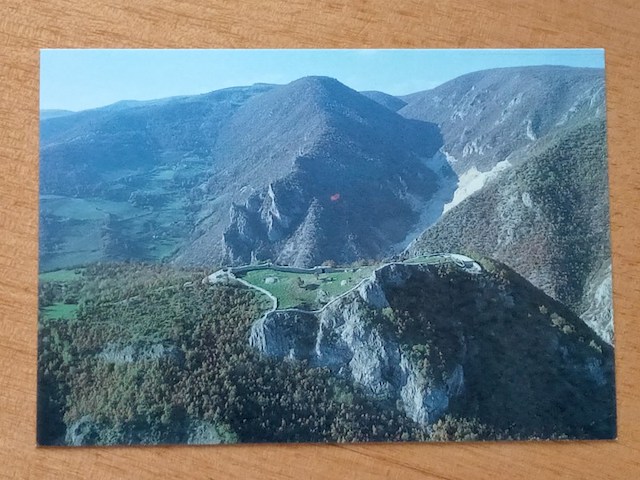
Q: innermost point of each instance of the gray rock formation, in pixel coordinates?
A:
(83, 431)
(285, 334)
(346, 337)
(599, 302)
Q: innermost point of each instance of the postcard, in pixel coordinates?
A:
(243, 246)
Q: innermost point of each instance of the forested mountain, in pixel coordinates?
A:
(548, 218)
(314, 171)
(450, 356)
(437, 340)
(301, 173)
(118, 182)
(181, 369)
(94, 152)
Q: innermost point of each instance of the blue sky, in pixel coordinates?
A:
(81, 79)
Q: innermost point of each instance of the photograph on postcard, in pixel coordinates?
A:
(242, 246)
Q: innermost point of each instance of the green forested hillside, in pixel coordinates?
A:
(156, 356)
(152, 355)
(548, 218)
(523, 354)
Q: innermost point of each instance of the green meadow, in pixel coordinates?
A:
(60, 311)
(307, 290)
(63, 275)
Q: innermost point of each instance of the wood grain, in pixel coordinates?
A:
(26, 26)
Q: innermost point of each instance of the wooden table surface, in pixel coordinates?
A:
(27, 25)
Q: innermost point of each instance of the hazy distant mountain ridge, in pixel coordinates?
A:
(386, 100)
(79, 150)
(487, 116)
(53, 113)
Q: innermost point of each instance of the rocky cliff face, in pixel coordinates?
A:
(405, 336)
(346, 337)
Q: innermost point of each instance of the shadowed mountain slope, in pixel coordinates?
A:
(80, 150)
(435, 340)
(301, 173)
(313, 171)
